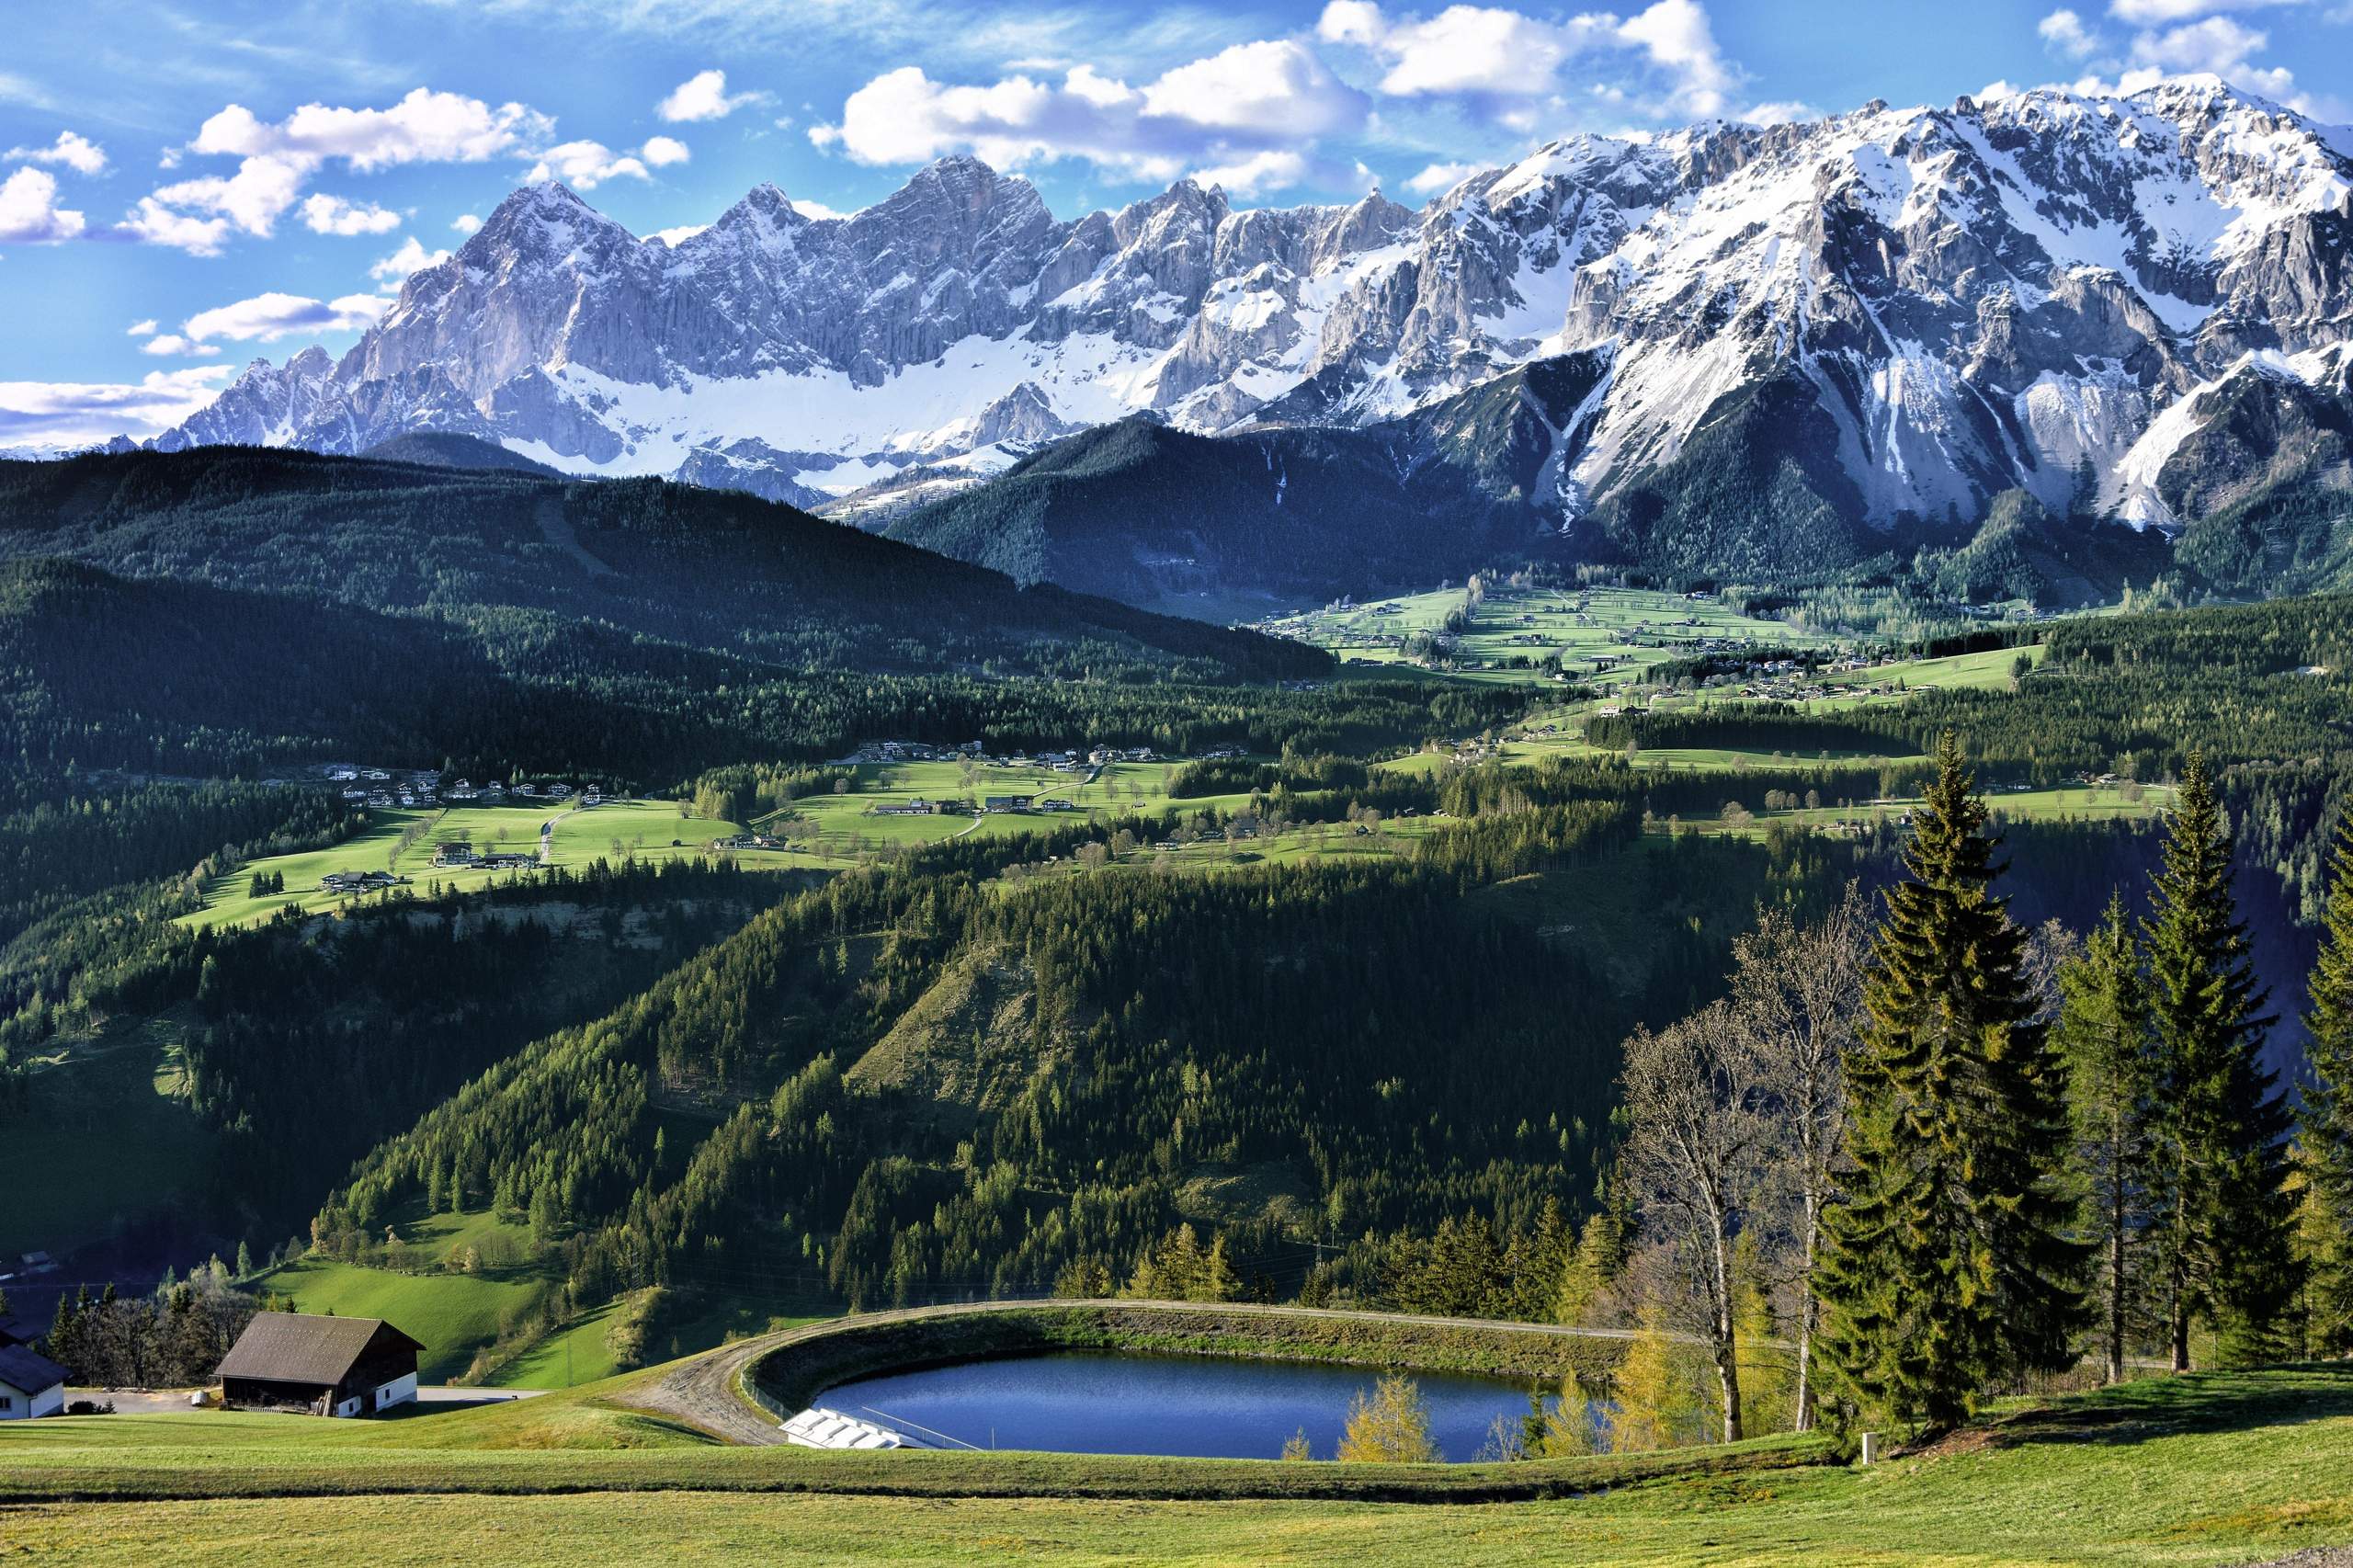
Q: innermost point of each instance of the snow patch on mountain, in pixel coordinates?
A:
(1981, 296)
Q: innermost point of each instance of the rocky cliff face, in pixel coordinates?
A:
(2047, 291)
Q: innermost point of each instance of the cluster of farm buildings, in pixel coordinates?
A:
(1076, 760)
(385, 788)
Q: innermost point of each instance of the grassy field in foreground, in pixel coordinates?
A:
(2206, 1470)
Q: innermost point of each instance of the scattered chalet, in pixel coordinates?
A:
(324, 1366)
(31, 1383)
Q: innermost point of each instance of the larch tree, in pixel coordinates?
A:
(1949, 1262)
(2227, 1236)
(2328, 1109)
(2104, 1033)
(1693, 1129)
(1653, 1401)
(1797, 991)
(1391, 1426)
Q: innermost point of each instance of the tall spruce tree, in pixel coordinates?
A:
(2104, 1034)
(2328, 1108)
(2227, 1236)
(1948, 1261)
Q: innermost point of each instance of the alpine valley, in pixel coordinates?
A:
(1762, 351)
(1650, 866)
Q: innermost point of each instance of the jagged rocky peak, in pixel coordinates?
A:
(765, 217)
(545, 218)
(956, 207)
(1958, 299)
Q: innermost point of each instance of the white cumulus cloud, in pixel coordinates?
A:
(1259, 173)
(466, 222)
(65, 412)
(277, 158)
(1667, 54)
(76, 153)
(663, 151)
(1435, 177)
(267, 317)
(1269, 88)
(29, 214)
(703, 96)
(333, 215)
(140, 328)
(1225, 110)
(391, 272)
(2064, 32)
(172, 342)
(153, 223)
(424, 127)
(586, 164)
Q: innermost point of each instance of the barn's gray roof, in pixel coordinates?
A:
(297, 1347)
(22, 1366)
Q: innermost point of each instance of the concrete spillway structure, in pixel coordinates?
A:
(818, 1428)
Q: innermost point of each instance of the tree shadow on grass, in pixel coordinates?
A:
(2173, 1405)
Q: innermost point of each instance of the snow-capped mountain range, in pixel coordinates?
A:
(2031, 292)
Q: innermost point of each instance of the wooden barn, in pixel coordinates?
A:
(324, 1366)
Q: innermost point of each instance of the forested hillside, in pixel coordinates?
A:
(1152, 514)
(939, 1087)
(712, 570)
(2263, 689)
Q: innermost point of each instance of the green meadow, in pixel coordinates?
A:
(115, 1129)
(1638, 627)
(2206, 1469)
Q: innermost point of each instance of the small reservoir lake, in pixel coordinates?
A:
(1200, 1406)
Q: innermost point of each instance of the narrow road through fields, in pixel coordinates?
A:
(547, 832)
(701, 1392)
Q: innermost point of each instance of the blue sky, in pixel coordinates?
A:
(186, 185)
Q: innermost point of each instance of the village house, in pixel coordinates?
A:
(322, 1365)
(31, 1383)
(1005, 803)
(357, 882)
(918, 807)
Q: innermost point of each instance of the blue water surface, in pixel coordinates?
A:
(1211, 1407)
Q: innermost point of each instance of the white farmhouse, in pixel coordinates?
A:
(31, 1383)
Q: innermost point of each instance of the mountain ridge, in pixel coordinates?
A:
(2031, 292)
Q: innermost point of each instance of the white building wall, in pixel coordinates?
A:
(23, 1405)
(400, 1390)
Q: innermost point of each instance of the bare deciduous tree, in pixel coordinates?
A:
(1691, 1103)
(1798, 995)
